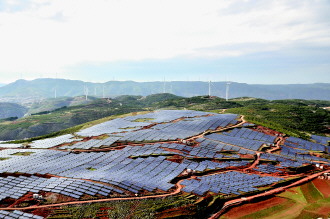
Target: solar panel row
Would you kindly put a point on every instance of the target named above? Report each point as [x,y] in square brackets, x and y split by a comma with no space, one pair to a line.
[250,134]
[228,183]
[16,187]
[18,215]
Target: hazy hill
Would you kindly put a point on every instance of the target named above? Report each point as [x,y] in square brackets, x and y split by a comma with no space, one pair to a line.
[55,103]
[27,91]
[11,110]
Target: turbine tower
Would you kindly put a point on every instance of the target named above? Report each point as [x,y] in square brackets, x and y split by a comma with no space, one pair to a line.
[86,92]
[227,90]
[164,90]
[209,88]
[55,90]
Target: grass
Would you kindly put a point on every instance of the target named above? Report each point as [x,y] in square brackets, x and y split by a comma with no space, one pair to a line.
[126,209]
[143,120]
[4,158]
[91,169]
[311,193]
[269,211]
[295,194]
[23,153]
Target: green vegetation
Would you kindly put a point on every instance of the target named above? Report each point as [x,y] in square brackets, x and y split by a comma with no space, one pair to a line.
[147,208]
[10,111]
[290,119]
[4,158]
[293,117]
[23,153]
[311,193]
[48,105]
[143,120]
[304,201]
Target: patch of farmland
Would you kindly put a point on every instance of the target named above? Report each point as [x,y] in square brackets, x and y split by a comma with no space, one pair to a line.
[323,186]
[311,193]
[251,208]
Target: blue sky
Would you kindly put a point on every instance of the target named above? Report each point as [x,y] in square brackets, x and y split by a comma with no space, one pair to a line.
[256,42]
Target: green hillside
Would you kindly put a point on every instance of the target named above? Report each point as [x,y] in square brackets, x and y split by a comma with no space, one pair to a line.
[51,104]
[10,110]
[295,117]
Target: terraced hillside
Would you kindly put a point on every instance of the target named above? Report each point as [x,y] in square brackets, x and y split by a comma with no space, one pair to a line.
[190,163]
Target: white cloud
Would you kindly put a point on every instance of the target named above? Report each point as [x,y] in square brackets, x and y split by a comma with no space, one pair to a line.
[47,36]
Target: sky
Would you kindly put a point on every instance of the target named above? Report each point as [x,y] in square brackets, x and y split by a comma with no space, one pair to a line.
[247,41]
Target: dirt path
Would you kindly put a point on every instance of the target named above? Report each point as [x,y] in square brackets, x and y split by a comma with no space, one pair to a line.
[277,145]
[267,193]
[177,191]
[255,162]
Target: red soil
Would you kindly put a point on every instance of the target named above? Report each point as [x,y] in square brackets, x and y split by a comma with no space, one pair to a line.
[176,212]
[323,186]
[324,210]
[251,208]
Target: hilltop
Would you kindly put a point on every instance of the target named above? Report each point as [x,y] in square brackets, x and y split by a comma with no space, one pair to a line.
[165,164]
[12,110]
[298,118]
[23,91]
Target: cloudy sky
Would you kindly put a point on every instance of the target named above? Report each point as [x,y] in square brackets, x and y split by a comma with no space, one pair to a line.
[256,42]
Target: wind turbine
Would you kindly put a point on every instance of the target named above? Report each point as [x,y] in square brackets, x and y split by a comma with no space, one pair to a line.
[86,92]
[164,90]
[55,90]
[227,90]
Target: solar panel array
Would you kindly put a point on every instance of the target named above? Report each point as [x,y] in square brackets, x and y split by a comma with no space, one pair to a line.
[112,167]
[250,134]
[6,145]
[303,144]
[167,115]
[18,215]
[228,183]
[182,129]
[248,124]
[148,167]
[321,139]
[17,187]
[168,131]
[93,143]
[52,142]
[285,161]
[241,142]
[267,168]
[210,148]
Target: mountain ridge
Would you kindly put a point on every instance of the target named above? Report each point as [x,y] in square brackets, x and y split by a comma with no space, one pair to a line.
[23,90]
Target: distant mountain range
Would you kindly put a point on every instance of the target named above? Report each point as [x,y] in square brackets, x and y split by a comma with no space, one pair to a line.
[25,91]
